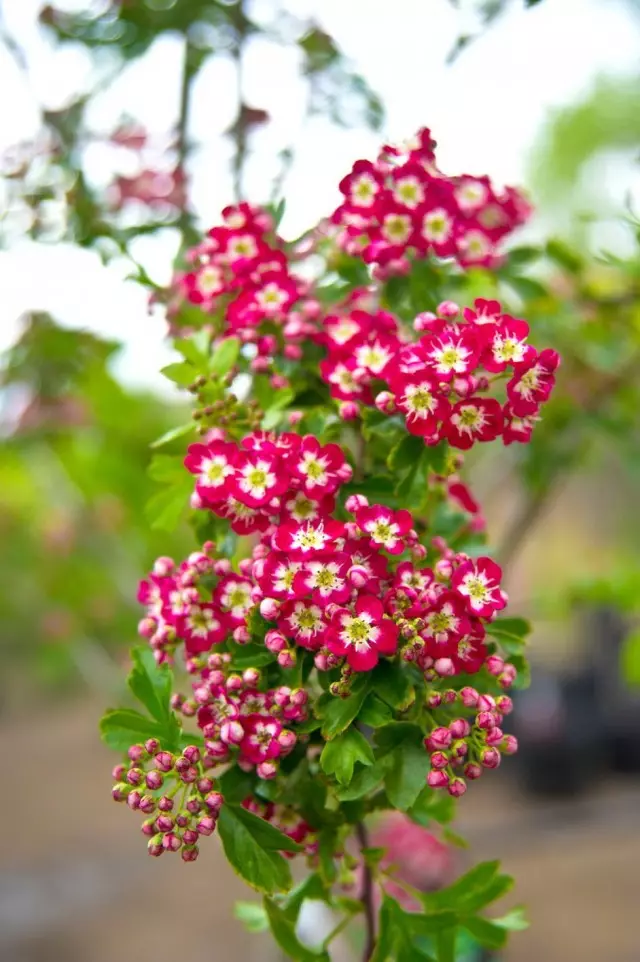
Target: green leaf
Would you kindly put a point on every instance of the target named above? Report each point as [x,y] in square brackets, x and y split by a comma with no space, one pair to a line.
[454,839]
[249,656]
[519,256]
[312,887]
[173,434]
[375,712]
[224,356]
[514,629]
[267,835]
[405,760]
[262,868]
[180,372]
[338,713]
[165,508]
[122,727]
[285,935]
[363,782]
[252,915]
[521,665]
[195,349]
[473,891]
[166,468]
[236,785]
[432,805]
[405,454]
[327,843]
[487,933]
[151,683]
[340,755]
[514,921]
[391,683]
[446,946]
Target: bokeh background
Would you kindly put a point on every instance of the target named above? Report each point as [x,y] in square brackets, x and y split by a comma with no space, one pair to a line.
[125,127]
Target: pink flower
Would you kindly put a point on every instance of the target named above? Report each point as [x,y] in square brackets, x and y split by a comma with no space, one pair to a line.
[478,583]
[317,467]
[260,740]
[419,396]
[532,382]
[475,419]
[386,528]
[363,635]
[258,478]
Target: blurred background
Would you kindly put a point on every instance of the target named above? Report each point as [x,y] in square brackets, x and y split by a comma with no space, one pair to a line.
[125,125]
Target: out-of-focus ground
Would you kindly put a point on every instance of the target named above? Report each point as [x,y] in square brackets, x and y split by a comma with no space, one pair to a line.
[77,886]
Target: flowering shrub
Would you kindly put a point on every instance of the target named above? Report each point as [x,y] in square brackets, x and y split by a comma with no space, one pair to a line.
[337,645]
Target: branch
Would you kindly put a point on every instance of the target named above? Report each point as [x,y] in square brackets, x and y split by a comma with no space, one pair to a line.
[367,895]
[182,143]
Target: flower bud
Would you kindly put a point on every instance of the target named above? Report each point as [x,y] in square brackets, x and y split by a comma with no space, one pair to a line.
[490,758]
[509,745]
[190,854]
[286,659]
[444,667]
[154,847]
[434,700]
[164,823]
[118,772]
[214,801]
[459,728]
[165,804]
[275,642]
[424,321]
[154,780]
[438,739]
[206,825]
[349,410]
[148,827]
[164,761]
[457,787]
[194,805]
[504,704]
[469,697]
[437,779]
[189,837]
[356,501]
[251,677]
[495,665]
[287,739]
[486,720]
[171,842]
[266,770]
[447,309]
[486,702]
[231,732]
[472,771]
[358,576]
[443,569]
[385,402]
[137,753]
[439,760]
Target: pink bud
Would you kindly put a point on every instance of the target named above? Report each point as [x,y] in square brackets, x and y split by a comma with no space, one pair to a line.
[447,309]
[460,749]
[287,739]
[469,697]
[133,800]
[245,566]
[418,552]
[486,702]
[299,696]
[154,847]
[118,772]
[444,667]
[267,770]
[345,472]
[234,684]
[189,837]
[494,737]
[190,854]
[356,501]
[459,728]
[434,700]
[165,804]
[472,771]
[321,661]
[504,704]
[437,779]
[231,732]
[443,569]
[194,806]
[275,642]
[349,410]
[164,823]
[152,745]
[457,787]
[439,760]
[424,321]
[286,659]
[192,754]
[215,661]
[195,501]
[240,635]
[154,780]
[358,576]
[221,567]
[509,745]
[490,757]
[251,677]
[278,381]
[136,753]
[146,627]
[171,842]
[385,402]
[214,801]
[206,825]
[135,776]
[295,417]
[148,827]
[495,665]
[486,720]
[438,739]
[282,694]
[269,609]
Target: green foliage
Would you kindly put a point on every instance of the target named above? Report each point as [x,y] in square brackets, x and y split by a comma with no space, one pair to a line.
[341,754]
[252,848]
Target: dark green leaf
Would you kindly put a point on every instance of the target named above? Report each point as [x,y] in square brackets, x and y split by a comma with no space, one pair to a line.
[487,933]
[122,727]
[405,760]
[340,755]
[363,782]
[151,683]
[375,712]
[236,785]
[340,712]
[392,685]
[262,868]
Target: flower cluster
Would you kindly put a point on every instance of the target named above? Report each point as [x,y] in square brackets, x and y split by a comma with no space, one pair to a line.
[240,275]
[150,783]
[440,382]
[403,205]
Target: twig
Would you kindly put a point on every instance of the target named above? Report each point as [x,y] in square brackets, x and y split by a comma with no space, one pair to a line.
[182,142]
[367,894]
[239,129]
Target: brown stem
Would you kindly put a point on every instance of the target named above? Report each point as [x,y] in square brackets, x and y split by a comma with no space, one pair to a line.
[367,895]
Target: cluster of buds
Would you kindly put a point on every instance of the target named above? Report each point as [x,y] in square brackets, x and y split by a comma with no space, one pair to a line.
[174,792]
[463,748]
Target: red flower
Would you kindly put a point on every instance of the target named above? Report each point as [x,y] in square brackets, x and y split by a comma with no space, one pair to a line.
[214,467]
[201,627]
[507,345]
[532,382]
[475,419]
[260,740]
[317,467]
[478,582]
[304,623]
[386,528]
[419,396]
[362,636]
[325,579]
[450,354]
[445,623]
[259,477]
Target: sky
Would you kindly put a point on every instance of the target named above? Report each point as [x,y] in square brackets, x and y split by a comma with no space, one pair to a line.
[486,111]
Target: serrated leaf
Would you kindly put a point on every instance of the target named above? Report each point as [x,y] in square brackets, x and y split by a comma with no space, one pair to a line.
[172,435]
[122,727]
[340,755]
[180,372]
[363,782]
[262,868]
[375,712]
[224,356]
[151,683]
[391,683]
[405,454]
[195,349]
[338,713]
[487,933]
[405,761]
[165,508]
